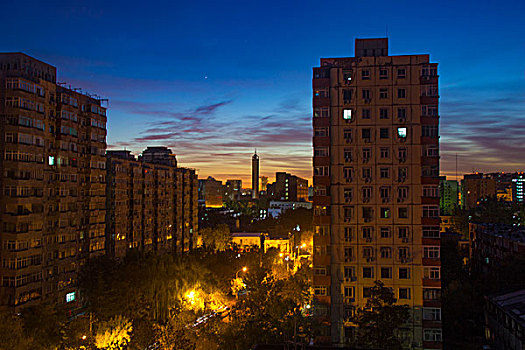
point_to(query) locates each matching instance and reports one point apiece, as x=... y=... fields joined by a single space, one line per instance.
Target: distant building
x=151 y=206
x=255 y=176
x=475 y=187
x=449 y=195
x=158 y=155
x=518 y=188
x=276 y=208
x=282 y=244
x=446 y=223
x=505 y=320
x=288 y=187
x=232 y=190
x=248 y=240
x=210 y=192
x=493 y=243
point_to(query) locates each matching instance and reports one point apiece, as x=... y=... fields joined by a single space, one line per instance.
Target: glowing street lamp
x=244 y=269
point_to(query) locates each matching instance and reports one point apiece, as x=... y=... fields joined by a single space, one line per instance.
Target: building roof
x=247 y=234
x=509 y=232
x=513 y=304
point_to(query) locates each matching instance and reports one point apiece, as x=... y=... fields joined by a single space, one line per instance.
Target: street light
x=244 y=269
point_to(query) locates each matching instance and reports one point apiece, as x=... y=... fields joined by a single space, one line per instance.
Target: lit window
x=70 y=297
x=402 y=132
x=51 y=160
x=347 y=114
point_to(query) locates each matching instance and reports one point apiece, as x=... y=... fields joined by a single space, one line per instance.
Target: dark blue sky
x=215 y=79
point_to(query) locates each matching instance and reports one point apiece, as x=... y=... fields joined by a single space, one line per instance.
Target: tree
x=12 y=333
x=217 y=238
x=175 y=334
x=44 y=323
x=379 y=320
x=114 y=334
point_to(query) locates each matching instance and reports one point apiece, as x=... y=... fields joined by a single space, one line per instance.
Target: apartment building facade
x=52 y=209
x=288 y=187
x=376 y=188
x=152 y=205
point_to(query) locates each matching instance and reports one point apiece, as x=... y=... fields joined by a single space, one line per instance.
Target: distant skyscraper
x=376 y=189
x=255 y=176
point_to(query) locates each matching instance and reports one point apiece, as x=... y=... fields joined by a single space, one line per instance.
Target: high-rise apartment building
x=255 y=176
x=288 y=187
x=53 y=180
x=475 y=187
x=449 y=196
x=152 y=205
x=376 y=200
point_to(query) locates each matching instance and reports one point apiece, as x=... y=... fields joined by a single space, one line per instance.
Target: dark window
x=386 y=272
x=404 y=273
x=383 y=133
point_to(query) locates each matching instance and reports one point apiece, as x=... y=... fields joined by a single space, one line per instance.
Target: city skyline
x=213 y=93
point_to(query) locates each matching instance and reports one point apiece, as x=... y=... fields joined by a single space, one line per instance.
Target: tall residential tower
x=255 y=176
x=53 y=179
x=376 y=201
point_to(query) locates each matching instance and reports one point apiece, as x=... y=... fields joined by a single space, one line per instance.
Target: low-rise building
x=505 y=320
x=246 y=241
x=492 y=243
x=276 y=208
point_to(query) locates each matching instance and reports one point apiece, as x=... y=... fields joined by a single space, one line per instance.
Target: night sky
x=215 y=79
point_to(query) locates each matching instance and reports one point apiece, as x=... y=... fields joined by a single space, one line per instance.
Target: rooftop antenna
x=456 y=166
